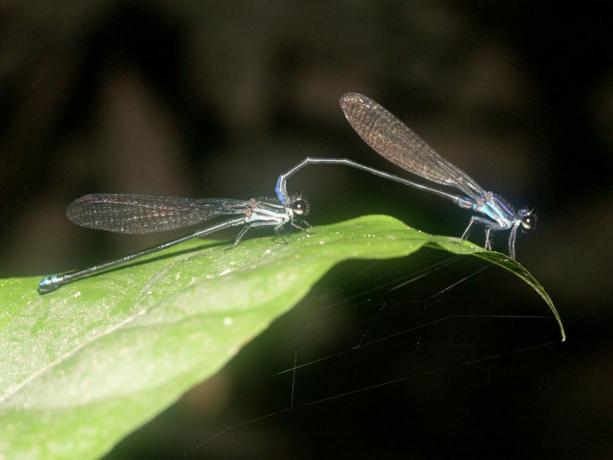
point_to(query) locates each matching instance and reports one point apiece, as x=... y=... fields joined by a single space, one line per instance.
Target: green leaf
x=84 y=365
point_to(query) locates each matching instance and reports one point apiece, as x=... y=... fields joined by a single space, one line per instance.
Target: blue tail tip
x=48 y=284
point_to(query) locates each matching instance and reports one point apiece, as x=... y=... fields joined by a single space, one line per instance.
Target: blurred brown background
x=214 y=99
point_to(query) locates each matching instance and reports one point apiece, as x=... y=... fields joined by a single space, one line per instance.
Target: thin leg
x=241 y=235
x=472 y=220
x=246 y=228
x=488 y=238
x=300 y=224
x=489 y=227
x=512 y=237
x=278 y=229
x=304 y=223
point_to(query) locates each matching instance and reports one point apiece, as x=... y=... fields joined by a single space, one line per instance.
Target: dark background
x=216 y=98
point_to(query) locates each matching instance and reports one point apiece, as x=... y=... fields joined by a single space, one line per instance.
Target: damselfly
x=137 y=214
x=395 y=141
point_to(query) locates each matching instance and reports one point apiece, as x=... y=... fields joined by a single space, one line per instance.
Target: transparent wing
x=395 y=141
x=123 y=213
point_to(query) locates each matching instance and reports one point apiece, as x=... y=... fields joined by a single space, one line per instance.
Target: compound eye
x=300 y=207
x=529 y=221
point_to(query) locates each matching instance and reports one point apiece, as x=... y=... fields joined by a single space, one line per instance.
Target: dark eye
x=529 y=221
x=300 y=207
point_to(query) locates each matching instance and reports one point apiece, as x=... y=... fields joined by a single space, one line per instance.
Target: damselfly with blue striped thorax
x=396 y=142
x=138 y=214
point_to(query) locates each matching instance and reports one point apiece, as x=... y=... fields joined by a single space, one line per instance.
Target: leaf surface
x=85 y=365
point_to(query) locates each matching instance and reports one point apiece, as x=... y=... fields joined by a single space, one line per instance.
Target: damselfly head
x=300 y=207
x=528 y=218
